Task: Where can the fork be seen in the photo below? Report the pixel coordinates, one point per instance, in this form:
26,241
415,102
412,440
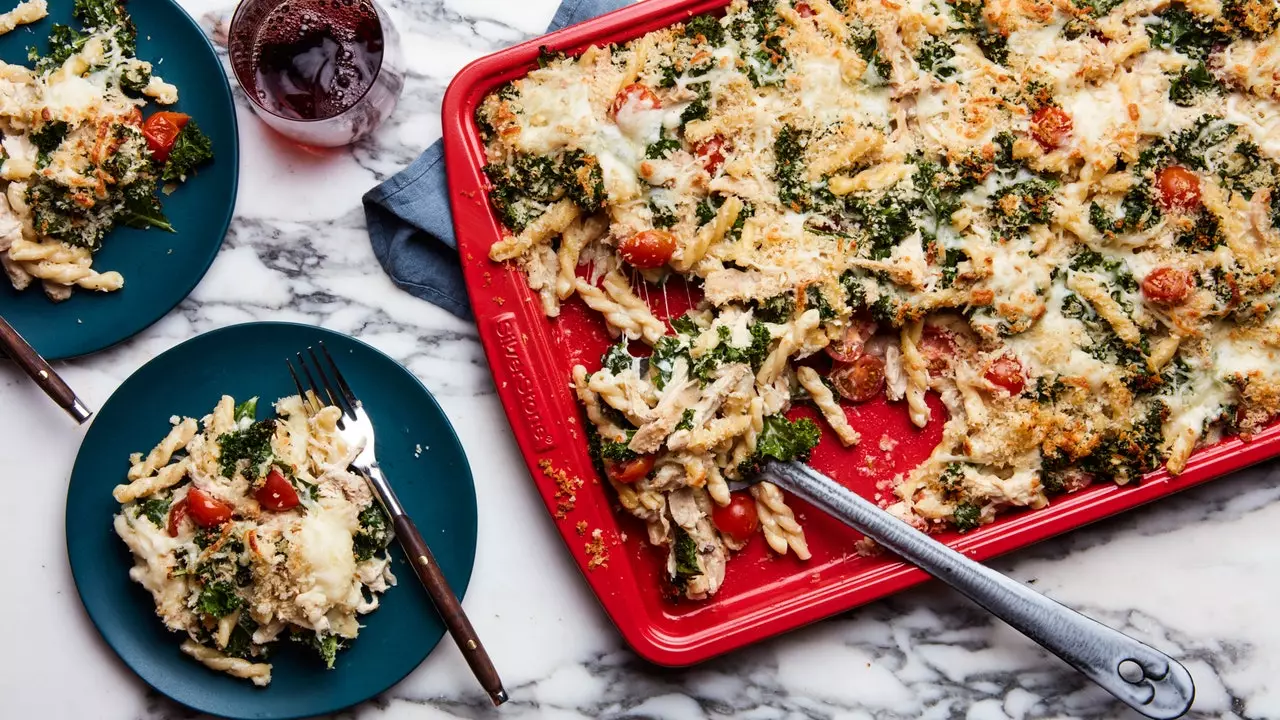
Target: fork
1140,676
356,428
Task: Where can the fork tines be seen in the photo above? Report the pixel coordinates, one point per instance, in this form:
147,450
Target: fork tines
337,393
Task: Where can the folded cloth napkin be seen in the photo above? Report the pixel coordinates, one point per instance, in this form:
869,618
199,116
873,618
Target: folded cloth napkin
408,215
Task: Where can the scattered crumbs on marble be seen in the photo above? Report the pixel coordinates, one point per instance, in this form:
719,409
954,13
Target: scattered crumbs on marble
566,488
597,551
581,527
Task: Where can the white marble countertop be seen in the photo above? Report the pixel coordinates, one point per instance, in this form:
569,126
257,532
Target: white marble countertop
1196,575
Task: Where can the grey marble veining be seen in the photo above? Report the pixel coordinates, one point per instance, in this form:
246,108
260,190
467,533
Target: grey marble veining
1195,575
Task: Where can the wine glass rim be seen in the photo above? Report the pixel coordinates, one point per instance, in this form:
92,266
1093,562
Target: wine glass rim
237,16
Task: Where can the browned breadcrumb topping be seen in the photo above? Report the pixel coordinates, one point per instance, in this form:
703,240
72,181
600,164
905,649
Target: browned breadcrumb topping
566,488
596,551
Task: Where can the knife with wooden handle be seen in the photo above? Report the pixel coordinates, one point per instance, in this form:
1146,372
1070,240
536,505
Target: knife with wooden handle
38,368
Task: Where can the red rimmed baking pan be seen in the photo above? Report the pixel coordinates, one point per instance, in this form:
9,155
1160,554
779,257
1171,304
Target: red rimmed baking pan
763,595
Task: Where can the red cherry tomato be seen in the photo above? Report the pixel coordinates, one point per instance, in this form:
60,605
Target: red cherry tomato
648,249
860,380
1177,188
1167,285
176,514
630,471
276,493
938,347
804,10
849,347
637,93
1050,125
161,130
711,152
206,510
1005,372
738,519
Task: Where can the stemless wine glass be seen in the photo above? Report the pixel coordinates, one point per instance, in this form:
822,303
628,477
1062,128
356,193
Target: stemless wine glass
320,72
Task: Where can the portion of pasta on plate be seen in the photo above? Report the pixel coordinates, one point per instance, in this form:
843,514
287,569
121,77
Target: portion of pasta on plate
1060,216
245,531
79,159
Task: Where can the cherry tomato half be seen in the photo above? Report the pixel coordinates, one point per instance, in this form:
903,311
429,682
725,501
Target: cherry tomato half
1050,125
738,519
276,493
849,347
161,130
1177,188
860,380
176,514
630,471
803,9
206,510
1005,372
938,347
648,249
1167,285
638,94
711,152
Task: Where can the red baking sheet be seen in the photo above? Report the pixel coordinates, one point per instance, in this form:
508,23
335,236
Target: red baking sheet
763,594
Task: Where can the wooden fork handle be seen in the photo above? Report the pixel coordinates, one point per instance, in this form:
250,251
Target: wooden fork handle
41,372
450,609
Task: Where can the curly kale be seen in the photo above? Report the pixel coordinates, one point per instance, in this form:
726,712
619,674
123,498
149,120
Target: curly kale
863,39
1138,208
141,208
155,509
617,358
1017,207
726,353
685,551
1192,82
886,219
1192,35
374,534
1205,234
686,420
993,44
777,309
191,149
706,28
967,516
783,440
1124,455
47,138
253,445
218,599
789,168
326,647
935,56
814,299
524,186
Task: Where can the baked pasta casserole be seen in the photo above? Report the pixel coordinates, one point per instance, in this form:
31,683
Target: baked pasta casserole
245,531
78,158
1060,216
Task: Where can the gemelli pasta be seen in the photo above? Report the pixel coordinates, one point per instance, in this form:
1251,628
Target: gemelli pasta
1059,216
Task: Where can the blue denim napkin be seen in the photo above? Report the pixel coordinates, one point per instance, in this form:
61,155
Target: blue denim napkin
408,215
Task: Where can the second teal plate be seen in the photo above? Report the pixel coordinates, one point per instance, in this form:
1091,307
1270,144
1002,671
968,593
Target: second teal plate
416,447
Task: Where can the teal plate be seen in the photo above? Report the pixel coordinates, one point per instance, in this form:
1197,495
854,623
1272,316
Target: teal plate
243,361
159,268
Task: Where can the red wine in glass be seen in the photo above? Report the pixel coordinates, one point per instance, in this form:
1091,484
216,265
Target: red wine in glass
324,72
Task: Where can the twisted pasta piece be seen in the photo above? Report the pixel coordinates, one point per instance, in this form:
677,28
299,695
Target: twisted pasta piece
717,487
917,374
776,362
619,289
708,235
595,413
177,438
166,477
618,395
553,222
577,236
826,402
616,316
778,522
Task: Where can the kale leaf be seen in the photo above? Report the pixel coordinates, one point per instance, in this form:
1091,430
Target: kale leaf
191,149
218,599
374,534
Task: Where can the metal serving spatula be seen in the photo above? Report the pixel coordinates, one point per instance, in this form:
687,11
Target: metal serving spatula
1142,677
